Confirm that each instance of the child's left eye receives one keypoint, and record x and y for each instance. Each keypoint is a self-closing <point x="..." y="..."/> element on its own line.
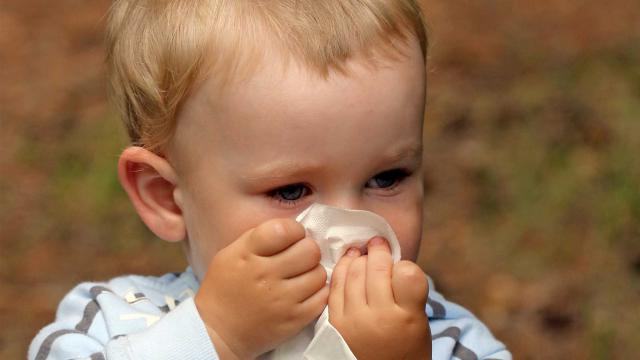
<point x="290" y="194"/>
<point x="387" y="179"/>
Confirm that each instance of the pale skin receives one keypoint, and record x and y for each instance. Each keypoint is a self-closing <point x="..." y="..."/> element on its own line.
<point x="244" y="162"/>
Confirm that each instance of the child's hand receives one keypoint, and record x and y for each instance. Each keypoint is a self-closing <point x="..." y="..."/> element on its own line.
<point x="378" y="307"/>
<point x="262" y="289"/>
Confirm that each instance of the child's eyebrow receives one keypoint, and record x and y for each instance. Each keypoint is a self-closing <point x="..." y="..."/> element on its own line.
<point x="289" y="169"/>
<point x="412" y="151"/>
<point x="277" y="170"/>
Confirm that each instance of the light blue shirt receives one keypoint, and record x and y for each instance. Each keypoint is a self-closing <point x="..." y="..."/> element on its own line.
<point x="143" y="317"/>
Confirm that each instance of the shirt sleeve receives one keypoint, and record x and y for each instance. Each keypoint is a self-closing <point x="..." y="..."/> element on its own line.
<point x="457" y="333"/>
<point x="93" y="322"/>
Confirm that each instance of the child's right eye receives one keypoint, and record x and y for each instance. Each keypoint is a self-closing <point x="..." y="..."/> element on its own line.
<point x="289" y="195"/>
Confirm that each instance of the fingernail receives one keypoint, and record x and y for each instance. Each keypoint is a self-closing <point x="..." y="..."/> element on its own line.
<point x="376" y="241"/>
<point x="353" y="252"/>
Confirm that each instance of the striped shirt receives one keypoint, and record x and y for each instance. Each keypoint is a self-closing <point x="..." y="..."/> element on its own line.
<point x="143" y="317"/>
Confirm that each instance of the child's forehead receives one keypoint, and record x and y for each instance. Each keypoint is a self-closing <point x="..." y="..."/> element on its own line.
<point x="281" y="110"/>
<point x="277" y="83"/>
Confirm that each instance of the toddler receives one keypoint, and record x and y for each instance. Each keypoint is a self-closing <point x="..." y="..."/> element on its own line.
<point x="242" y="113"/>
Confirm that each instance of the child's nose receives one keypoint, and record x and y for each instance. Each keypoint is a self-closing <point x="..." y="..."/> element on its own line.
<point x="344" y="201"/>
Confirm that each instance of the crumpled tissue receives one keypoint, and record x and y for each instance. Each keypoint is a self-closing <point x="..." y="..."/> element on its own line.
<point x="335" y="230"/>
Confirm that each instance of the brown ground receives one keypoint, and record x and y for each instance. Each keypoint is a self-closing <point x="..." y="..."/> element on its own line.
<point x="532" y="144"/>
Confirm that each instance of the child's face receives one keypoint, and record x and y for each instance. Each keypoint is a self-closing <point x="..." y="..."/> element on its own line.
<point x="273" y="145"/>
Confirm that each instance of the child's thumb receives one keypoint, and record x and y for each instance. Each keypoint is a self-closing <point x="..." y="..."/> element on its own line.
<point x="410" y="285"/>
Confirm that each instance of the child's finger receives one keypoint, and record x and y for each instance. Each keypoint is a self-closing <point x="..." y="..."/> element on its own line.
<point x="304" y="286"/>
<point x="297" y="259"/>
<point x="313" y="306"/>
<point x="273" y="236"/>
<point x="379" y="264"/>
<point x="410" y="287"/>
<point x="355" y="295"/>
<point x="338" y="281"/>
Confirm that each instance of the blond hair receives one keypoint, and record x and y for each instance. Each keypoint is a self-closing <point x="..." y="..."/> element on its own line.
<point x="158" y="49"/>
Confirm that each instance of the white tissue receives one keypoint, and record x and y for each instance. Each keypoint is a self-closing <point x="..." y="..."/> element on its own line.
<point x="335" y="230"/>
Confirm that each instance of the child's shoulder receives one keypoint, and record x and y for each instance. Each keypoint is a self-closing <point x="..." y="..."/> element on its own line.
<point x="133" y="288"/>
<point x="117" y="315"/>
<point x="455" y="331"/>
<point x="177" y="284"/>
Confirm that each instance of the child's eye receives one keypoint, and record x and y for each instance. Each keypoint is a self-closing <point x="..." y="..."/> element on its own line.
<point x="289" y="194"/>
<point x="387" y="179"/>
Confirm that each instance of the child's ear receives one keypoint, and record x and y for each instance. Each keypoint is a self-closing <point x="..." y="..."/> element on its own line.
<point x="150" y="182"/>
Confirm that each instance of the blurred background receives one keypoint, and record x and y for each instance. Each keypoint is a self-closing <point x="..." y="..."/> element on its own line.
<point x="532" y="170"/>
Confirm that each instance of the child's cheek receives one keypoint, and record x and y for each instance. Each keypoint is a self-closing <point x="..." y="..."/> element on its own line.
<point x="410" y="243"/>
<point x="408" y="228"/>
